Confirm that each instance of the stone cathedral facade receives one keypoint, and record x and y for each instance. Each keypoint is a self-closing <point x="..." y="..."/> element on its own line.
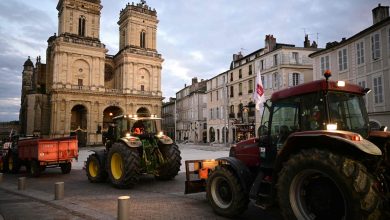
<point x="81" y="87"/>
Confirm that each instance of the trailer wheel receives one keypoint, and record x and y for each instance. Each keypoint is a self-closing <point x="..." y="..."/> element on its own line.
<point x="225" y="193"/>
<point x="123" y="166"/>
<point x="172" y="162"/>
<point x="95" y="170"/>
<point x="66" y="167"/>
<point x="317" y="183"/>
<point x="35" y="170"/>
<point x="13" y="162"/>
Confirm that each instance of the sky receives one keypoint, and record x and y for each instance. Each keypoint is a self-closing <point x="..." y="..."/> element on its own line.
<point x="196" y="38"/>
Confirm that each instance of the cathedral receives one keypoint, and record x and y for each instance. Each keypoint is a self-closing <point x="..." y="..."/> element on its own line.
<point x="81" y="87"/>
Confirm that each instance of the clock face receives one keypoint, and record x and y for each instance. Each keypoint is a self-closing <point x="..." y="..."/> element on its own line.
<point x="108" y="73"/>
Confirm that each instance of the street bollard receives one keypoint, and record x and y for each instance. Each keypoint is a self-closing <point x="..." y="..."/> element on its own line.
<point x="1" y="177"/>
<point x="123" y="207"/>
<point x="59" y="190"/>
<point x="22" y="183"/>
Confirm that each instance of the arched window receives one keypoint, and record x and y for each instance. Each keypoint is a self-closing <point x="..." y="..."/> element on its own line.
<point x="232" y="109"/>
<point x="82" y="26"/>
<point x="142" y="39"/>
<point x="240" y="89"/>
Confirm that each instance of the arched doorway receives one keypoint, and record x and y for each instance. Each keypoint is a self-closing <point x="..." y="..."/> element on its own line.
<point x="78" y="124"/>
<point x="108" y="114"/>
<point x="78" y="118"/>
<point x="212" y="134"/>
<point x="143" y="112"/>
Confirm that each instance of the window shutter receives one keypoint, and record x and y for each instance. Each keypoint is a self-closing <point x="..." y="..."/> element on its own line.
<point x="301" y="78"/>
<point x="265" y="77"/>
<point x="290" y="79"/>
<point x="270" y="81"/>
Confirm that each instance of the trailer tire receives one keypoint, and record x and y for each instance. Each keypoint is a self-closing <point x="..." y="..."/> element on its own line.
<point x="171" y="167"/>
<point x="225" y="193"/>
<point x="123" y="166"/>
<point x="95" y="169"/>
<point x="320" y="183"/>
<point x="66" y="167"/>
<point x="13" y="163"/>
<point x="34" y="168"/>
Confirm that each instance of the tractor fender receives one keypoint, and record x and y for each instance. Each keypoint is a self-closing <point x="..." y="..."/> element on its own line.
<point x="131" y="142"/>
<point x="326" y="140"/>
<point x="163" y="139"/>
<point x="102" y="156"/>
<point x="239" y="168"/>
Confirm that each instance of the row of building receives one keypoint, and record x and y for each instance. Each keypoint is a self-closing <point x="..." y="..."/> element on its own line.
<point x="221" y="109"/>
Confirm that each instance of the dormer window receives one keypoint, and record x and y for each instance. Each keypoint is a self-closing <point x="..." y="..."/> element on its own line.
<point x="82" y="26"/>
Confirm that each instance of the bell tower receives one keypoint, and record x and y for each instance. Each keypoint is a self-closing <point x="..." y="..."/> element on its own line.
<point x="138" y="26"/>
<point x="79" y="17"/>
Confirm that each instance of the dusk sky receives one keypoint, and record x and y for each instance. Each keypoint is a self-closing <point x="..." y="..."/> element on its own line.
<point x="195" y="38"/>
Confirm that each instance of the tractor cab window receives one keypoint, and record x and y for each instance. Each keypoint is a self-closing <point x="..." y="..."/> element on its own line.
<point x="313" y="114"/>
<point x="285" y="120"/>
<point x="347" y="111"/>
<point x="263" y="129"/>
<point x="143" y="127"/>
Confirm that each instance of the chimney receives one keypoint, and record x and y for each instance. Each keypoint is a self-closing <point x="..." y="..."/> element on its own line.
<point x="194" y="80"/>
<point x="380" y="13"/>
<point x="306" y="43"/>
<point x="237" y="56"/>
<point x="270" y="43"/>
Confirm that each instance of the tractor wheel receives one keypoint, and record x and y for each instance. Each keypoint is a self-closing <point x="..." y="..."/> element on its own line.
<point x="171" y="167"/>
<point x="66" y="167"/>
<point x="95" y="170"/>
<point x="317" y="184"/>
<point x="123" y="166"/>
<point x="13" y="162"/>
<point x="35" y="170"/>
<point x="225" y="193"/>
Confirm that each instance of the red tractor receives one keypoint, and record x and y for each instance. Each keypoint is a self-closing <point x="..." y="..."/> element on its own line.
<point x="316" y="158"/>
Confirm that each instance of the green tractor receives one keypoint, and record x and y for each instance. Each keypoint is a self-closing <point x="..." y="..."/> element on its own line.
<point x="133" y="146"/>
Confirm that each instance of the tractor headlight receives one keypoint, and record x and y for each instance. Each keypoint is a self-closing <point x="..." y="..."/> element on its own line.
<point x="127" y="135"/>
<point x="160" y="134"/>
<point x="331" y="127"/>
<point x="341" y="83"/>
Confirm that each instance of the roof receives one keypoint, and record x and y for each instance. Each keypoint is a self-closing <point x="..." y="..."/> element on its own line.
<point x="315" y="86"/>
<point x="368" y="30"/>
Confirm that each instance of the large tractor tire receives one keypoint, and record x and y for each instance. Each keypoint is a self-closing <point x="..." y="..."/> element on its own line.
<point x="66" y="167"/>
<point x="172" y="164"/>
<point x="225" y="193"/>
<point x="95" y="169"/>
<point x="318" y="184"/>
<point x="123" y="166"/>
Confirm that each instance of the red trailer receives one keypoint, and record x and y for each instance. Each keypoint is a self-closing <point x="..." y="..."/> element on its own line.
<point x="37" y="154"/>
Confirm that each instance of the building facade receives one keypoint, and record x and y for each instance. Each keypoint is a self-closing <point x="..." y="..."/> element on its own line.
<point x="191" y="105"/>
<point x="281" y="66"/>
<point x="363" y="59"/>
<point x="217" y="105"/>
<point x="81" y="87"/>
<point x="169" y="118"/>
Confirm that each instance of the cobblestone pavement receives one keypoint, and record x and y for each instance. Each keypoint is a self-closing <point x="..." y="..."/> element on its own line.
<point x="150" y="199"/>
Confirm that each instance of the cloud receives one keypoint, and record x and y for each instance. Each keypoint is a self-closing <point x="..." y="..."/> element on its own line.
<point x="195" y="38"/>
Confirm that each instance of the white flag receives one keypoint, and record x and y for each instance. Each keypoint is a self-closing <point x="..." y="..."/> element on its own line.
<point x="258" y="95"/>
